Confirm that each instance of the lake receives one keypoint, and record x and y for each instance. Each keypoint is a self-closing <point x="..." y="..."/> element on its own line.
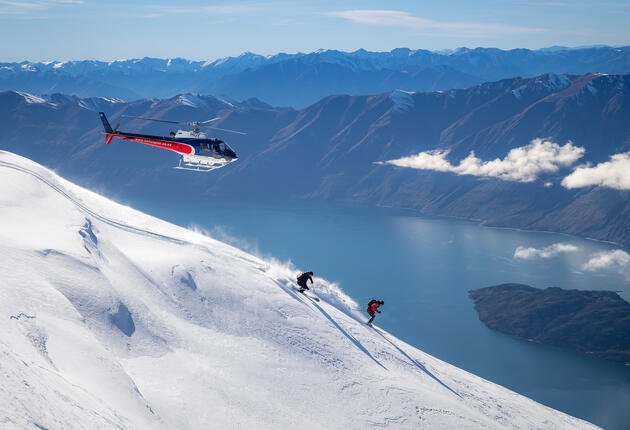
<point x="423" y="268"/>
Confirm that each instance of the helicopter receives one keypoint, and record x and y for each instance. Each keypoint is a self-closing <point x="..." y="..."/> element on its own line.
<point x="197" y="151"/>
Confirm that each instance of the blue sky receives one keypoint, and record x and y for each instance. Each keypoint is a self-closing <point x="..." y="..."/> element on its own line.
<point x="42" y="30"/>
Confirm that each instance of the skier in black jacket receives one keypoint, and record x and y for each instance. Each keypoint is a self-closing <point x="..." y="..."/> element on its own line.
<point x="303" y="279"/>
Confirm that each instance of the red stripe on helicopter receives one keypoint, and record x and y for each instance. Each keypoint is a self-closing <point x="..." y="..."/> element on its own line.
<point x="173" y="146"/>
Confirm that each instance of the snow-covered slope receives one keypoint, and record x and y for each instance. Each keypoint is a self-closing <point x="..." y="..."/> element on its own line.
<point x="110" y="318"/>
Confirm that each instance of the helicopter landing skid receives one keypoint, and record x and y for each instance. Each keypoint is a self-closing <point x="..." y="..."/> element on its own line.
<point x="197" y="169"/>
<point x="199" y="164"/>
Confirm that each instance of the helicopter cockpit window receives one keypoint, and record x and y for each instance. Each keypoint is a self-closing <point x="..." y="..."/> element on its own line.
<point x="204" y="147"/>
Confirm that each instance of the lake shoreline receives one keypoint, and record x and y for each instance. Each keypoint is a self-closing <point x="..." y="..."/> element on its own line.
<point x="596" y="323"/>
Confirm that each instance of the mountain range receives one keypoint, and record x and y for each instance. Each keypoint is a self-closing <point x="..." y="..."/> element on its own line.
<point x="335" y="148"/>
<point x="301" y="79"/>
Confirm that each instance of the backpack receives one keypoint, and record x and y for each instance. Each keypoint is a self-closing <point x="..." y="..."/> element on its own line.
<point x="370" y="303"/>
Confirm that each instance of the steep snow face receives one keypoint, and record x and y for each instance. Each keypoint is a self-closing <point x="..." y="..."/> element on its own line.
<point x="403" y="100"/>
<point x="98" y="103"/>
<point x="197" y="101"/>
<point x="554" y="82"/>
<point x="518" y="91"/>
<point x="110" y="318"/>
<point x="190" y="100"/>
<point x="30" y="98"/>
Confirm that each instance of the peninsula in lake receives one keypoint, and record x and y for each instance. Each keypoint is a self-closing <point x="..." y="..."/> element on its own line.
<point x="594" y="322"/>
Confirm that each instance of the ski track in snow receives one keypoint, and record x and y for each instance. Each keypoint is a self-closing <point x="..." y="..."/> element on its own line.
<point x="85" y="209"/>
<point x="126" y="321"/>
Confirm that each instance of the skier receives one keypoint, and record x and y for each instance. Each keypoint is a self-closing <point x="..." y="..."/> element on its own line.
<point x="303" y="279"/>
<point x="372" y="309"/>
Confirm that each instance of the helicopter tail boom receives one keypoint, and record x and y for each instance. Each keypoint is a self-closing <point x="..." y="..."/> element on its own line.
<point x="109" y="133"/>
<point x="106" y="126"/>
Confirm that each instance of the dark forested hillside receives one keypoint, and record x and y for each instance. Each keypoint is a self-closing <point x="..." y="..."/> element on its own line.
<point x="595" y="322"/>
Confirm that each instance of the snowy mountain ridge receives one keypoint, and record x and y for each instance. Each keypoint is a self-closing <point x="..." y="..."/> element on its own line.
<point x="301" y="79"/>
<point x="113" y="318"/>
<point x="360" y="59"/>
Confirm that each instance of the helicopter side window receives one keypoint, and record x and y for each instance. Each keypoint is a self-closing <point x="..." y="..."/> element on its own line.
<point x="204" y="147"/>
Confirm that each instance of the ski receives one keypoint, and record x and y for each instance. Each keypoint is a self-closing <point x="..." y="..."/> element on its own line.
<point x="307" y="295"/>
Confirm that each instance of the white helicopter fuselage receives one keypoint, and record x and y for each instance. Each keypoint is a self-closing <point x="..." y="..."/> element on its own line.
<point x="191" y="134"/>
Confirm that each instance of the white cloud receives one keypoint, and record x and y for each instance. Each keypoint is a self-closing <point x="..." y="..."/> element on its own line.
<point x="617" y="259"/>
<point x="221" y="9"/>
<point x="397" y="18"/>
<point x="523" y="164"/>
<point x="547" y="252"/>
<point x="11" y="7"/>
<point x="614" y="174"/>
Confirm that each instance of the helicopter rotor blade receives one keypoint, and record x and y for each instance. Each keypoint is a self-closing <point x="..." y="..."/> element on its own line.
<point x="157" y="120"/>
<point x="192" y="124"/>
<point x="228" y="130"/>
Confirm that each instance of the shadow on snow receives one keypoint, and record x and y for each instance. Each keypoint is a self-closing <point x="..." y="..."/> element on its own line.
<point x="415" y="363"/>
<point x="348" y="335"/>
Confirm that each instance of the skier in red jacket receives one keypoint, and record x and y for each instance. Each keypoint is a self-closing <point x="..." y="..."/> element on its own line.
<point x="372" y="309"/>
